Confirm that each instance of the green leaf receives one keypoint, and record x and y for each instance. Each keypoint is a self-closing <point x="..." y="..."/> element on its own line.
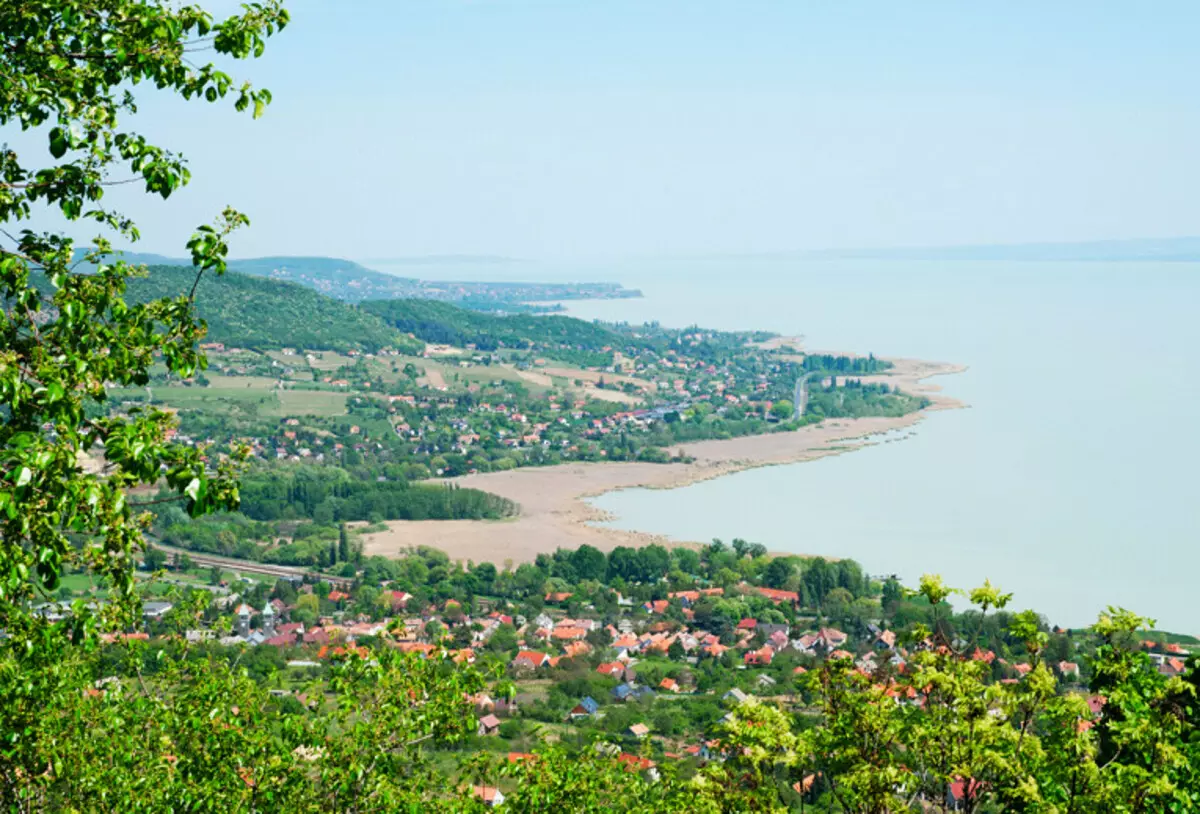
<point x="58" y="142"/>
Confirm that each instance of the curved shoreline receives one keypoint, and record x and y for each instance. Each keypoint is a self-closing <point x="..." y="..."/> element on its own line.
<point x="554" y="510"/>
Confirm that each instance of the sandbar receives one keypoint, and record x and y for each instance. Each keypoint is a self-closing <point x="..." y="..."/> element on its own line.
<point x="554" y="512"/>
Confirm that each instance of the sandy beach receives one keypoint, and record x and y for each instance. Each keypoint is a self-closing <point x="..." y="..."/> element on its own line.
<point x="553" y="508"/>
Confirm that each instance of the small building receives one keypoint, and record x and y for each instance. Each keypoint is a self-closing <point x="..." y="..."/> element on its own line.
<point x="490" y="795"/>
<point x="584" y="709"/>
<point x="488" y="725"/>
<point x="638" y="731"/>
<point x="735" y="695"/>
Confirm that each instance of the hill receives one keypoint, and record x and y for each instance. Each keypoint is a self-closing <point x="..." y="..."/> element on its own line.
<point x="442" y="322"/>
<point x="258" y="313"/>
<point x="354" y="282"/>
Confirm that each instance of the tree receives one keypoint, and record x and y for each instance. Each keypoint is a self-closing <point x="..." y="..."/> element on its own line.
<point x="779" y="571"/>
<point x="589" y="562"/>
<point x="343" y="543"/>
<point x="69" y="69"/>
<point x="783" y="409"/>
<point x="154" y="558"/>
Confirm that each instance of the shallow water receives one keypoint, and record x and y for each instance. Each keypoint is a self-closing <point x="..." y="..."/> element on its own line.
<point x="1069" y="480"/>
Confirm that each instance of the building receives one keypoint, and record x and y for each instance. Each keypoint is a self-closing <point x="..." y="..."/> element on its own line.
<point x="584" y="709"/>
<point x="488" y="725"/>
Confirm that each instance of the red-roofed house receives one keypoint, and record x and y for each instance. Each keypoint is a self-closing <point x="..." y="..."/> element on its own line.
<point x="747" y="624"/>
<point x="530" y="659"/>
<point x="669" y="684"/>
<point x="760" y="657"/>
<point x="777" y="596"/>
<point x="611" y="668"/>
<point x="490" y="795"/>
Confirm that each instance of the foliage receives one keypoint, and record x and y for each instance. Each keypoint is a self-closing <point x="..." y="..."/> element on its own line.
<point x="448" y="324"/>
<point x="257" y="313"/>
<point x="67" y="71"/>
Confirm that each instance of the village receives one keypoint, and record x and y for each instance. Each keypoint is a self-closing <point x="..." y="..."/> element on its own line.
<point x="648" y="668"/>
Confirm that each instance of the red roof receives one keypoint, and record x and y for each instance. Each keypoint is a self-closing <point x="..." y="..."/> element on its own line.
<point x="532" y="657"/>
<point x="338" y="596"/>
<point x="636" y="762"/>
<point x="747" y="624"/>
<point x="777" y="596"/>
<point x="761" y="656"/>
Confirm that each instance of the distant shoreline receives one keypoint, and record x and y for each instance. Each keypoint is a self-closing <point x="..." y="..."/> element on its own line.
<point x="554" y="510"/>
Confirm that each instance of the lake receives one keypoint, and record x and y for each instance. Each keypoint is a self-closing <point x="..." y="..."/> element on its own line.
<point x="1069" y="480"/>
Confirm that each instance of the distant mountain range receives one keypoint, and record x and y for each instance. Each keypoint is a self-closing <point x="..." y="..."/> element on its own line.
<point x="1174" y="249"/>
<point x="352" y="282"/>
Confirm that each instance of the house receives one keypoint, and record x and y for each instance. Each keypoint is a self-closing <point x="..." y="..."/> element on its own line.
<point x="638" y="731"/>
<point x="629" y="692"/>
<point x="670" y="685"/>
<point x="770" y="629"/>
<point x="584" y="709"/>
<point x="555" y="597"/>
<point x="747" y="624"/>
<point x="885" y="640"/>
<point x="735" y="695"/>
<point x="960" y="792"/>
<point x="759" y="658"/>
<point x="615" y="669"/>
<point x="765" y="682"/>
<point x="490" y="795"/>
<point x="529" y="660"/>
<point x="1172" y="667"/>
<point x="488" y="725"/>
<point x="831" y="638"/>
<point x="686" y="598"/>
<point x="575" y="649"/>
<point x="779" y="596"/>
<point x="657" y="606"/>
<point x="636" y="763"/>
<point x="1068" y="670"/>
<point x="155" y="610"/>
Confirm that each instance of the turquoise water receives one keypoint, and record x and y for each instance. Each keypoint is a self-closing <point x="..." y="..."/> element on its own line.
<point x="1069" y="480"/>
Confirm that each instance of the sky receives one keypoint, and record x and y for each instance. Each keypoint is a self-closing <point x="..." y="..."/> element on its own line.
<point x="607" y="128"/>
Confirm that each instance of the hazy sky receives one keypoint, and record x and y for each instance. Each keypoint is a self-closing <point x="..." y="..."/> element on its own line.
<point x="562" y="128"/>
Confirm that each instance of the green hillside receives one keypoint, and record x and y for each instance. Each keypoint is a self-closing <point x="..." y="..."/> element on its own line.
<point x="442" y="322"/>
<point x="254" y="312"/>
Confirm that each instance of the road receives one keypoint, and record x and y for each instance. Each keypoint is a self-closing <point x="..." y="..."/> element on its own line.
<point x="800" y="399"/>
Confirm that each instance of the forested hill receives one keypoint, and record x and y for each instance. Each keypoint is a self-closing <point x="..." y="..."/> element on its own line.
<point x="253" y="312"/>
<point x="444" y="323"/>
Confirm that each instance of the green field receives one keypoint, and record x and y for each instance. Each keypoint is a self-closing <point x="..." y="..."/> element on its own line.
<point x="231" y="393"/>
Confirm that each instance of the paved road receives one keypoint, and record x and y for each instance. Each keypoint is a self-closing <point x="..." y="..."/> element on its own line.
<point x="800" y="399"/>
